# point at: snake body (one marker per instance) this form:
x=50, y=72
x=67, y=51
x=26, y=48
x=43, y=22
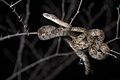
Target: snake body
x=91, y=39
x=48, y=32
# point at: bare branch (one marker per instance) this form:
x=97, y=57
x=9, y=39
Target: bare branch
x=58, y=44
x=11, y=6
x=15, y=3
x=76, y=12
x=117, y=32
x=25, y=32
x=71, y=9
x=63, y=9
x=63, y=65
x=117, y=29
x=18, y=64
x=111, y=40
x=62, y=18
x=115, y=52
x=17, y=34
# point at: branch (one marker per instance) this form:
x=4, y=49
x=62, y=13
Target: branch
x=15, y=3
x=117, y=29
x=37, y=62
x=63, y=9
x=71, y=9
x=118, y=20
x=62, y=18
x=18, y=64
x=117, y=32
x=76, y=12
x=17, y=34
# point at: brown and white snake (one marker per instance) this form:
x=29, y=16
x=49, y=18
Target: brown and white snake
x=79, y=39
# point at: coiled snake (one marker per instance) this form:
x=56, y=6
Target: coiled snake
x=86, y=39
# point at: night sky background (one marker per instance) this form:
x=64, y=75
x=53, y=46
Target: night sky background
x=98, y=14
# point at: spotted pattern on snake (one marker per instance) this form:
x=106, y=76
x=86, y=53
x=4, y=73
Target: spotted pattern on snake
x=86, y=39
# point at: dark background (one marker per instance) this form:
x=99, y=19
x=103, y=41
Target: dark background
x=100, y=14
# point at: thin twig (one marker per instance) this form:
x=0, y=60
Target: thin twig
x=76, y=12
x=63, y=9
x=58, y=45
x=11, y=5
x=27, y=12
x=117, y=32
x=62, y=18
x=18, y=64
x=17, y=34
x=14, y=11
x=111, y=40
x=22, y=39
x=117, y=29
x=115, y=52
x=15, y=3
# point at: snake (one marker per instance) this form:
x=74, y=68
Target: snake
x=79, y=39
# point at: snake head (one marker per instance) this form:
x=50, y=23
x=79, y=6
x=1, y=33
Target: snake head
x=56, y=20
